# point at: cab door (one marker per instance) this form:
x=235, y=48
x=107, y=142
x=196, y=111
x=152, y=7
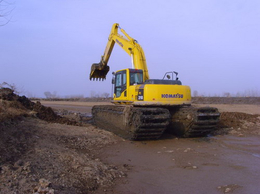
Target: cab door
x=120, y=91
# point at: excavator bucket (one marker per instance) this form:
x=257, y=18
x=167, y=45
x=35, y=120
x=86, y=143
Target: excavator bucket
x=98, y=71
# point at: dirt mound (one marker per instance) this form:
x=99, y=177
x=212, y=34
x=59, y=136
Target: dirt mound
x=239, y=123
x=14, y=106
x=46, y=157
x=34, y=152
x=236, y=119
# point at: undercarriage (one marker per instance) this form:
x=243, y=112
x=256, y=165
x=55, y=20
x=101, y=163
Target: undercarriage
x=143, y=123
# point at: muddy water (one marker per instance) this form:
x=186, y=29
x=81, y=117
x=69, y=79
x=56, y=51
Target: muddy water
x=225, y=164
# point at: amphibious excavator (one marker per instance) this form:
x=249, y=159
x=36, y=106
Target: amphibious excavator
x=144, y=108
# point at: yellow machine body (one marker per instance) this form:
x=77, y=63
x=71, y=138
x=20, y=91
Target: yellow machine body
x=164, y=93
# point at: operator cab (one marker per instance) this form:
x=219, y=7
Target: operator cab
x=124, y=78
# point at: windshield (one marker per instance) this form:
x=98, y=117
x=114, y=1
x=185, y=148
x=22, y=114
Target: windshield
x=136, y=78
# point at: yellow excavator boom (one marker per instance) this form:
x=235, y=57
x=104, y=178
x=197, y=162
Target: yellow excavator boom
x=130, y=45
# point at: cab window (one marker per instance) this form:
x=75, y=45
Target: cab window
x=136, y=78
x=120, y=83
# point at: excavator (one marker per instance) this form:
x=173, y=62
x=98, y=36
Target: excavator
x=145, y=108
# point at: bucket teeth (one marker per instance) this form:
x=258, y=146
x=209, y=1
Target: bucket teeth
x=98, y=71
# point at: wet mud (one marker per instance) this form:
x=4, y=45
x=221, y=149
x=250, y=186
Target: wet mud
x=226, y=164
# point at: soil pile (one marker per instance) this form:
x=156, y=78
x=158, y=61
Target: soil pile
x=239, y=123
x=13, y=106
x=47, y=157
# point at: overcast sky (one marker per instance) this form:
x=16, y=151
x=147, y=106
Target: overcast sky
x=50, y=45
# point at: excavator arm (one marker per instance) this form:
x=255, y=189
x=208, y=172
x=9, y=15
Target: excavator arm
x=130, y=46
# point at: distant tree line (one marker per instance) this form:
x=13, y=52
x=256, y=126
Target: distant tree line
x=93, y=94
x=247, y=93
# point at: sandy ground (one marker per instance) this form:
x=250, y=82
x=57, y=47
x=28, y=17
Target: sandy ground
x=40, y=156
